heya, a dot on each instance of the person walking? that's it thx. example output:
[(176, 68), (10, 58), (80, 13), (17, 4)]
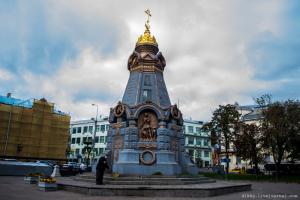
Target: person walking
[(101, 166), (82, 168)]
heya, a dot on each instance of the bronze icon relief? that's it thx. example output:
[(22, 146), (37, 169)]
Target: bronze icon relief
[(147, 124)]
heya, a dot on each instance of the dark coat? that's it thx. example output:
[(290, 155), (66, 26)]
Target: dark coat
[(102, 164)]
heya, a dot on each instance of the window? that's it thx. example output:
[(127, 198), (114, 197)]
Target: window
[(147, 80), (83, 140), (101, 150), (90, 129), (101, 139), (206, 163), (77, 151), (147, 95), (78, 129), (102, 128), (96, 139), (73, 130), (97, 128), (85, 129), (198, 154), (96, 151), (191, 140), (107, 127), (198, 141), (73, 140), (183, 128), (90, 139), (191, 153), (206, 153), (198, 130), (191, 129), (78, 140), (205, 143)]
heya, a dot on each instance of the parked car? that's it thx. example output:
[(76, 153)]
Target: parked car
[(69, 169), (48, 162)]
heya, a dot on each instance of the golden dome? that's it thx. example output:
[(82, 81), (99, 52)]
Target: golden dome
[(146, 38)]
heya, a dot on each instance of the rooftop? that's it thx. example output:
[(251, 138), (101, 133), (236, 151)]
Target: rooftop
[(28, 103)]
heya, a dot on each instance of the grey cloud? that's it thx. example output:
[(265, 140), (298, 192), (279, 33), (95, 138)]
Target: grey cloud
[(203, 42)]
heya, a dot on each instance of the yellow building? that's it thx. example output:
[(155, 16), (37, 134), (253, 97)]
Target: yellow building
[(32, 130)]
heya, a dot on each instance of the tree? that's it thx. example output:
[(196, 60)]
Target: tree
[(248, 143), (223, 125), (281, 128), (293, 111)]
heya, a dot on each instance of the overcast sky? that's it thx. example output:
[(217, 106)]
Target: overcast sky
[(74, 53)]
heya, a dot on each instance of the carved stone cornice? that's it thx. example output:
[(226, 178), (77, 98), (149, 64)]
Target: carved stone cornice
[(145, 68)]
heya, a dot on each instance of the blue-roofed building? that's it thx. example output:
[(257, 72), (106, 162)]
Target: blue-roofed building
[(28, 103)]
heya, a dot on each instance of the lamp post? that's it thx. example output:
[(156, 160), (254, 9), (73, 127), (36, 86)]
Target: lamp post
[(88, 149), (95, 120)]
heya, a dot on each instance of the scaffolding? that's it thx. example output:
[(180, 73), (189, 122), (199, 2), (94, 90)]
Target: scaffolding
[(32, 130)]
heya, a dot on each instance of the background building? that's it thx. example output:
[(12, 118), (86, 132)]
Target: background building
[(84, 130), (250, 114), (32, 129), (197, 143)]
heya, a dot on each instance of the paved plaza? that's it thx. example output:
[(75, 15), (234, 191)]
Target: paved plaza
[(14, 188)]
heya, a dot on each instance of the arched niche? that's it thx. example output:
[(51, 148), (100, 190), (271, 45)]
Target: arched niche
[(152, 107), (147, 125)]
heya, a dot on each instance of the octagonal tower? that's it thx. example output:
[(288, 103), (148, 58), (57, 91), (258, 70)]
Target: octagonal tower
[(146, 135)]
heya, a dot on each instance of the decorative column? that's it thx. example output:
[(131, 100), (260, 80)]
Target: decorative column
[(163, 138)]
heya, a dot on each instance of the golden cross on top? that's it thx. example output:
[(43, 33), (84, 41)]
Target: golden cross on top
[(148, 15)]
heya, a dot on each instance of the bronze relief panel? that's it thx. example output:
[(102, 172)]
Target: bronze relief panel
[(147, 124)]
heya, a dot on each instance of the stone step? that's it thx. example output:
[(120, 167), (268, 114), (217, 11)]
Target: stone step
[(143, 177), (157, 179), (157, 182), (189, 190), (148, 180)]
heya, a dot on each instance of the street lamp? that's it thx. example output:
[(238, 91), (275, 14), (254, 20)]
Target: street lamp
[(87, 149), (95, 120)]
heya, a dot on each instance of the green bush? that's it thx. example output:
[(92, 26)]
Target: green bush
[(253, 177)]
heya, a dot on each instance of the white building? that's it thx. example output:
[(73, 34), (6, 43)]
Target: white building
[(197, 143), (83, 130)]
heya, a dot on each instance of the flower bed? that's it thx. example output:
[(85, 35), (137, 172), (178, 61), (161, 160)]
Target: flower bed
[(32, 178), (47, 183)]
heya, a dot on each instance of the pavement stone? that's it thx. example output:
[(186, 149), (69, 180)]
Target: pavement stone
[(12, 188)]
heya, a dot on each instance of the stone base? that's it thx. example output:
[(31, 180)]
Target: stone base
[(130, 163), (147, 180), (136, 169)]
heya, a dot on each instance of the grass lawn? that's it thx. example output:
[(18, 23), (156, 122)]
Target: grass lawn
[(253, 177)]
